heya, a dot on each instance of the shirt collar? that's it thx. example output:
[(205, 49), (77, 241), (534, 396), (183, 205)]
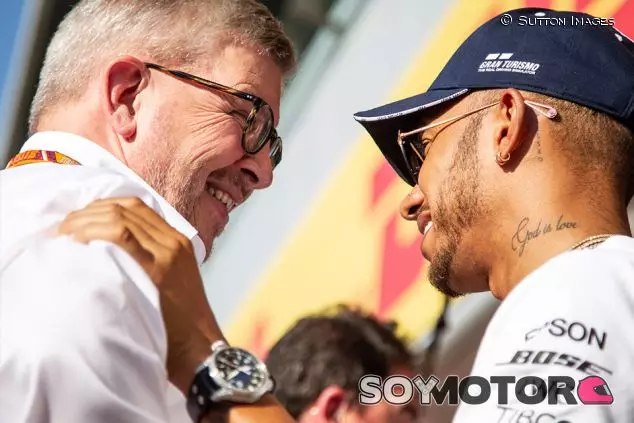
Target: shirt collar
[(90, 154)]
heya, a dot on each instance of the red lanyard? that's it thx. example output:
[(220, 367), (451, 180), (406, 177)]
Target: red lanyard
[(40, 156)]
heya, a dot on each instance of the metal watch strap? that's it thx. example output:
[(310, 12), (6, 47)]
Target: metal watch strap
[(200, 393)]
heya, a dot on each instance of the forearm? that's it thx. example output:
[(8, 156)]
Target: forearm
[(265, 410)]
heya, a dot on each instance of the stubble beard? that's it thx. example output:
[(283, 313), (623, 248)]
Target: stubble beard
[(458, 209)]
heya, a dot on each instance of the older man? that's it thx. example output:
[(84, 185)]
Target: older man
[(522, 152), (171, 102)]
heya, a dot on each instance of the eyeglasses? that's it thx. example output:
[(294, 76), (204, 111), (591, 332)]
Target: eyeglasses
[(415, 149), (258, 129)]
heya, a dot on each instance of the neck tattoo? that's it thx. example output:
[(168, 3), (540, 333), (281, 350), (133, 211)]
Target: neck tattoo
[(528, 230)]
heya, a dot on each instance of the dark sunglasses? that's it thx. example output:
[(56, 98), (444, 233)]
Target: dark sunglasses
[(258, 129)]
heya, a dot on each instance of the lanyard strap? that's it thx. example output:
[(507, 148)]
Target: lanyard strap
[(40, 156)]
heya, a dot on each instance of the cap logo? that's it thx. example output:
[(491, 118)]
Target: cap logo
[(500, 62)]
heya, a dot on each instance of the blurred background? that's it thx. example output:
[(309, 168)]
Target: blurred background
[(327, 231)]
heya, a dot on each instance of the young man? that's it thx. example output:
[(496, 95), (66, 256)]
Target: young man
[(318, 362), (522, 157)]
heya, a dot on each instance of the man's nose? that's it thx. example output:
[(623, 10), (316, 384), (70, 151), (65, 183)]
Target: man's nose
[(257, 170), (411, 204)]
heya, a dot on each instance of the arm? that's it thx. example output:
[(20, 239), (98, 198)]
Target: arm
[(266, 410), (168, 259), (79, 342)]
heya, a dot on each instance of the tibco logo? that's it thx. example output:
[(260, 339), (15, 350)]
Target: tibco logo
[(475, 390)]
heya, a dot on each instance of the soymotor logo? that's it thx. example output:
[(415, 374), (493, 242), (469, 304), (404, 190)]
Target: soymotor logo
[(475, 390)]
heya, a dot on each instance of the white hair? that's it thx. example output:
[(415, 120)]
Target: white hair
[(170, 32)]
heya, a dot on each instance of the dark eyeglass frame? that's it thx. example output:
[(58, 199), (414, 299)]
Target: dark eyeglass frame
[(258, 104)]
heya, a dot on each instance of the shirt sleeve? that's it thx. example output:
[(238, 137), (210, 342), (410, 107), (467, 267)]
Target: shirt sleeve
[(559, 349), (79, 340)]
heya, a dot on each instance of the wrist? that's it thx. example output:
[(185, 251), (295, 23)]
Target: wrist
[(229, 376), (183, 370)]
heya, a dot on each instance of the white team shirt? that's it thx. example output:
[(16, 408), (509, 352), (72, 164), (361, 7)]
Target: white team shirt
[(573, 316), (81, 333)]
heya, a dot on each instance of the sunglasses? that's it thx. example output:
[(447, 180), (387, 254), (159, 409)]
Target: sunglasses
[(415, 148)]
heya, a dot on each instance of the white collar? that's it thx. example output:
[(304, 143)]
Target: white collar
[(90, 154)]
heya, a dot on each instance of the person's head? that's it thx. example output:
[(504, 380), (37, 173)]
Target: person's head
[(182, 136), (317, 365), (494, 168)]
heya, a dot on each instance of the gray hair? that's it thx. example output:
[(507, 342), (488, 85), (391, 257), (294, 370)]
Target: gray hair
[(171, 32)]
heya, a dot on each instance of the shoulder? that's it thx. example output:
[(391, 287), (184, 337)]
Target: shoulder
[(573, 313), (82, 180), (586, 282), (43, 194), (58, 290), (571, 318), (585, 293)]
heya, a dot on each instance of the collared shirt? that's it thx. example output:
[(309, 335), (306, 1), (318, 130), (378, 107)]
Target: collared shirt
[(81, 333), (562, 341)]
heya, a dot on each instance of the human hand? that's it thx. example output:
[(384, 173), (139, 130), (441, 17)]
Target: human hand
[(167, 257)]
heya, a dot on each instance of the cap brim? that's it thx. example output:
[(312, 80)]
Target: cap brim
[(384, 122)]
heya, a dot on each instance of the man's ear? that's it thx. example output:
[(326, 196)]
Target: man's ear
[(328, 406), (510, 122), (124, 79)]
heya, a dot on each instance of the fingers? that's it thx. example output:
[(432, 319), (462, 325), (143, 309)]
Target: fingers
[(165, 235), (144, 216), (118, 204), (118, 224), (124, 201), (114, 224), (84, 230), (129, 216), (83, 217)]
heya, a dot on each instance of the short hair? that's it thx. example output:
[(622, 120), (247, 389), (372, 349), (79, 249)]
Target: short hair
[(382, 334), (332, 349), (593, 143), (170, 32)]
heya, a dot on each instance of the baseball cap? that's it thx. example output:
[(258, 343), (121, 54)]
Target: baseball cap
[(568, 55)]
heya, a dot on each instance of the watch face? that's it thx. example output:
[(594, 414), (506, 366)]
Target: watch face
[(239, 369)]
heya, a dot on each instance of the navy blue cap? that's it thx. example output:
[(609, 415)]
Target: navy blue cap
[(568, 55)]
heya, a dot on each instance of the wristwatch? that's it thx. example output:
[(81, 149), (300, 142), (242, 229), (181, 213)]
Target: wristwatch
[(229, 375)]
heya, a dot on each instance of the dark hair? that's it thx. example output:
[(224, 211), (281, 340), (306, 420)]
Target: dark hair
[(332, 349)]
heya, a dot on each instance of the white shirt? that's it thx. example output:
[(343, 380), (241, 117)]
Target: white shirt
[(573, 316), (81, 334)]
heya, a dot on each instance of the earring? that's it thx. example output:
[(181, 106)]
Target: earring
[(502, 160)]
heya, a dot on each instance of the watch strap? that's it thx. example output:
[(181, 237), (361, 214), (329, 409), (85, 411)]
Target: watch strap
[(201, 391)]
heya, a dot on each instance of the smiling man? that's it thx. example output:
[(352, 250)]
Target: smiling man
[(172, 102), (521, 155)]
